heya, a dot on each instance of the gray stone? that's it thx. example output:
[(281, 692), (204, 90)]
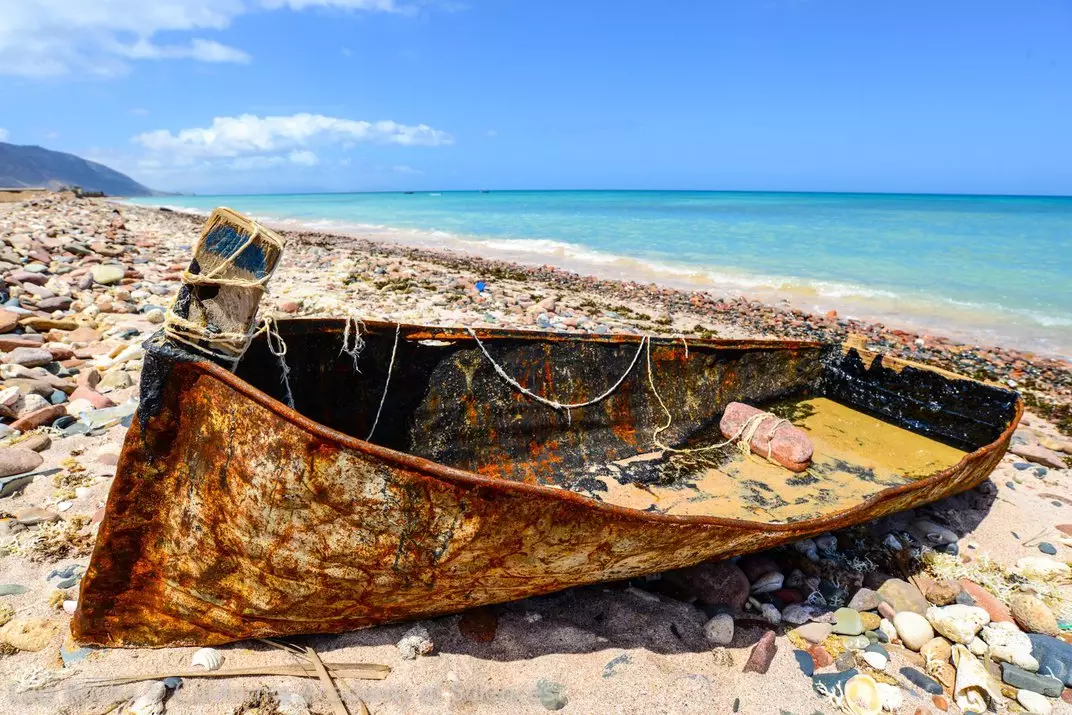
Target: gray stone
[(11, 589), (552, 695), (827, 683), (1020, 678), (9, 486), (28, 357), (1053, 655), (1047, 548), (33, 515), (865, 600), (813, 632), (922, 681), (14, 460), (805, 661), (719, 630)]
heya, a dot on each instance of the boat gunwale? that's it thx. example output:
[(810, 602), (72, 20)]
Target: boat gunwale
[(472, 479)]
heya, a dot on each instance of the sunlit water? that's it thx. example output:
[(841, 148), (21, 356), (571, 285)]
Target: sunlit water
[(997, 270)]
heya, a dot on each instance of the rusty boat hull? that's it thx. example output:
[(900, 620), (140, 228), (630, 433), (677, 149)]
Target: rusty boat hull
[(233, 516)]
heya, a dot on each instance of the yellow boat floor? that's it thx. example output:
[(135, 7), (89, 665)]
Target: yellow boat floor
[(855, 456)]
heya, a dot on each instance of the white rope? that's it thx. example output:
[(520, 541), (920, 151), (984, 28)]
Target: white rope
[(555, 404), (278, 347), (353, 350), (745, 434), (386, 383)]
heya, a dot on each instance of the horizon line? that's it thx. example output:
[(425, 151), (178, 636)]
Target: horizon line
[(692, 191)]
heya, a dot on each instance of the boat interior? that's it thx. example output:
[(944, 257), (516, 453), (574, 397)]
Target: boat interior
[(872, 426)]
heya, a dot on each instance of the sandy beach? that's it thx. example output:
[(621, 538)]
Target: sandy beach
[(93, 279)]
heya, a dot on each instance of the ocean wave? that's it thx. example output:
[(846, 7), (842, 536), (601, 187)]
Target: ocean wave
[(914, 309)]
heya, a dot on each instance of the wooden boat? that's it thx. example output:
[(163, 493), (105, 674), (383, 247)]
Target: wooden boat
[(416, 480)]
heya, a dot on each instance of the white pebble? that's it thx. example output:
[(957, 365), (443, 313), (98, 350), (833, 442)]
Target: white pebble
[(913, 629), (1035, 703)]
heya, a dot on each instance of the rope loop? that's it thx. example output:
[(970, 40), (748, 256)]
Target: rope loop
[(555, 404)]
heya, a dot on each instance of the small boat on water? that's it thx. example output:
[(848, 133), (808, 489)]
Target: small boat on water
[(413, 478)]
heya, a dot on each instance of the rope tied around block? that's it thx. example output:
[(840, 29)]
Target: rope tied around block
[(230, 347)]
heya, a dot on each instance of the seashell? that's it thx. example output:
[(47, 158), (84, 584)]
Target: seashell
[(768, 583), (891, 696), (207, 658), (973, 683), (151, 702), (862, 696)]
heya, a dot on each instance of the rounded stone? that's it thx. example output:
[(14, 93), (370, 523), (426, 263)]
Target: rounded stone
[(719, 630), (15, 460), (1035, 703), (913, 629), (847, 622), (719, 583), (903, 596), (107, 274)]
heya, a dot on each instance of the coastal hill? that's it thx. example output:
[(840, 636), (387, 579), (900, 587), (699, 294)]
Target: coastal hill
[(34, 166)]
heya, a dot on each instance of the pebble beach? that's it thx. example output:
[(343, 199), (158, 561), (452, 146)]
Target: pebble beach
[(962, 605)]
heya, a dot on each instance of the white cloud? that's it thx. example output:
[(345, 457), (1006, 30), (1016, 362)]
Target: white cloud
[(303, 157), (197, 49), (40, 38), (368, 5), (3, 134), (250, 143), (248, 135)]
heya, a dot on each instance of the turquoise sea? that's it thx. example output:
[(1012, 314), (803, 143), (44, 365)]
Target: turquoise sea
[(992, 269)]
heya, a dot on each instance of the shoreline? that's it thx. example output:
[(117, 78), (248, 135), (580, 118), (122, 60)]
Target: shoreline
[(965, 323), (732, 316)]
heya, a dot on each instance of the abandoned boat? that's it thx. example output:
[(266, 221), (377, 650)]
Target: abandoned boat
[(437, 469)]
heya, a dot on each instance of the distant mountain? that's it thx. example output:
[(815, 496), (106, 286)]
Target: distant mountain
[(37, 166)]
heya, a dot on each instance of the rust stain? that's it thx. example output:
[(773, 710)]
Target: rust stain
[(233, 516)]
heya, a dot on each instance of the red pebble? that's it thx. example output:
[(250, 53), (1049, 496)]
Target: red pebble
[(820, 656), (762, 654)]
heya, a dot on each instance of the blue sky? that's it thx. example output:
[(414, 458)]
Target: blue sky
[(292, 95)]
